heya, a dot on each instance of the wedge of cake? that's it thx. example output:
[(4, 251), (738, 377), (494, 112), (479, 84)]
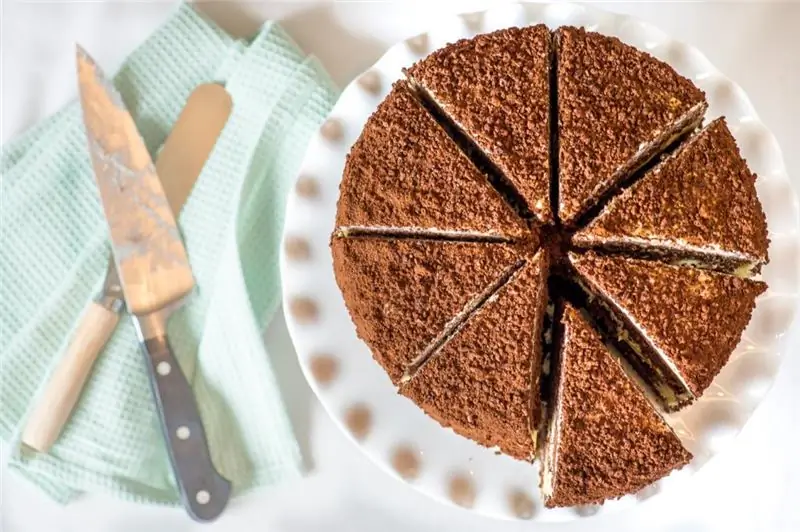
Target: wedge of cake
[(604, 439), (698, 206), (406, 295), (494, 90), (484, 381), (678, 325), (405, 175), (618, 107)]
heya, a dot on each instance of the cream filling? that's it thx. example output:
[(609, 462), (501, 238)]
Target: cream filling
[(670, 397), (656, 145), (662, 388), (550, 310), (746, 270), (639, 383), (644, 147), (417, 232), (686, 391), (659, 144), (550, 460), (712, 251)]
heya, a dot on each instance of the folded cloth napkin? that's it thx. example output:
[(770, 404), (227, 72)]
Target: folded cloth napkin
[(54, 242)]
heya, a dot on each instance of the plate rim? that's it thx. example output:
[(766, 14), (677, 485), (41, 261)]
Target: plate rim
[(563, 10)]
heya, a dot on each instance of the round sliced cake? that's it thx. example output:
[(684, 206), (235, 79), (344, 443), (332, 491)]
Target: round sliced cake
[(465, 212)]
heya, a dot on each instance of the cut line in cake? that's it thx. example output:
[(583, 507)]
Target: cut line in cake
[(483, 380), (529, 140), (696, 207)]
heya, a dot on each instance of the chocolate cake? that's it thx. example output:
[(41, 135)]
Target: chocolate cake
[(680, 324), (404, 174), (604, 438), (405, 295), (699, 206), (495, 91), (469, 212), (483, 382), (618, 107)]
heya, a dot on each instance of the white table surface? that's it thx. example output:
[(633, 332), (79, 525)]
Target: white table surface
[(753, 485)]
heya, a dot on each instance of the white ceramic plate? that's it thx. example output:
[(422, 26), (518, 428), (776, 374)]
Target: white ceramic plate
[(389, 428)]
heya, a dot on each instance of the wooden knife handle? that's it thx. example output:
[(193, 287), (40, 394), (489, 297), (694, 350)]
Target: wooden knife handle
[(204, 491), (54, 405)]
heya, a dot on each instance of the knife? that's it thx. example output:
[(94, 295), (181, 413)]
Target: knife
[(155, 276), (179, 163)]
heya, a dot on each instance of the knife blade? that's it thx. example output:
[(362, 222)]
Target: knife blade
[(155, 276), (179, 164)]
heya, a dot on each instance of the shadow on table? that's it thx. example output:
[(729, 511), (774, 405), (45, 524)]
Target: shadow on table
[(297, 396), (316, 28)]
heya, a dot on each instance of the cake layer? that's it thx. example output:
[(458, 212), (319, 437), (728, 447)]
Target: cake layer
[(403, 295), (699, 204), (495, 89), (484, 381), (405, 173), (618, 107), (605, 439), (684, 319)]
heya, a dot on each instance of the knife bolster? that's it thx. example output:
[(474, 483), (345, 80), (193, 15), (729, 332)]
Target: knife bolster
[(154, 324)]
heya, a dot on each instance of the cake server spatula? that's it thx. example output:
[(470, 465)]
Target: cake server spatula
[(179, 163), (155, 276)]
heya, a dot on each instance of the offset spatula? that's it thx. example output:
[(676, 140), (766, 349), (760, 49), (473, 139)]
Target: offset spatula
[(155, 276), (178, 165)]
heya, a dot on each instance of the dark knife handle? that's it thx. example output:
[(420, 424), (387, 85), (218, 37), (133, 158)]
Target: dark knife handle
[(203, 490)]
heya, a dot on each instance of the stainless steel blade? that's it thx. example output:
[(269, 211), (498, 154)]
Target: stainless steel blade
[(155, 274), (151, 260), (180, 162)]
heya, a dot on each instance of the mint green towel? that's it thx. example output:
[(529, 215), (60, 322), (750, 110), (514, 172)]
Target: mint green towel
[(54, 253)]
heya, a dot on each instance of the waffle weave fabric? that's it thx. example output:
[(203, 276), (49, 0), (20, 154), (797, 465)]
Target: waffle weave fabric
[(54, 242)]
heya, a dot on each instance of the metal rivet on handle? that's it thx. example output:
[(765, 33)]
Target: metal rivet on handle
[(163, 368), (183, 433), (202, 497)]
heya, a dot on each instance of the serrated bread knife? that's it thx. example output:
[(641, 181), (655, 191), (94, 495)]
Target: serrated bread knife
[(155, 277)]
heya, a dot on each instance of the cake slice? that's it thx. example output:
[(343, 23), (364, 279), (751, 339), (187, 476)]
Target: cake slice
[(604, 438), (678, 325), (484, 381), (699, 206), (405, 296), (618, 107), (494, 90), (405, 175)]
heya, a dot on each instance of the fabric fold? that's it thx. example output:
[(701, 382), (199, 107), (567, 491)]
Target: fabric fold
[(54, 241)]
